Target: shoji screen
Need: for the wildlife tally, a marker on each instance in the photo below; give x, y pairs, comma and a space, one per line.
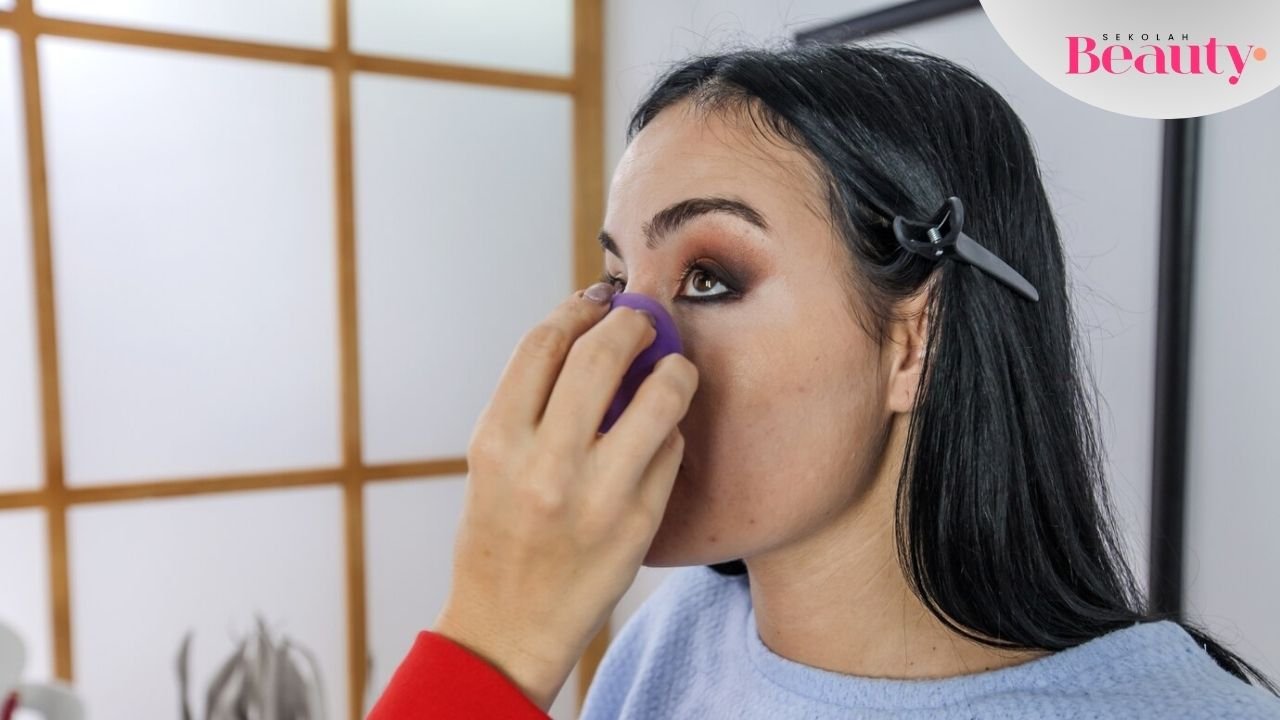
20, 463
24, 593
260, 268
1233, 540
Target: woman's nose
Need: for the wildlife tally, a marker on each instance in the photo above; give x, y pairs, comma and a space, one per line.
651, 285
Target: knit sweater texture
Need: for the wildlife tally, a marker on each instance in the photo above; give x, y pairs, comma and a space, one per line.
692, 651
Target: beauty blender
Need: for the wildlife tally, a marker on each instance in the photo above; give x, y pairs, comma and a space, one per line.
666, 342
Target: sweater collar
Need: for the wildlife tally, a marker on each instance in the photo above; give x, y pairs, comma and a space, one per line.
1098, 662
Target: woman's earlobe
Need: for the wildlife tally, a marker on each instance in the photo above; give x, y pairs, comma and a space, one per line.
900, 397
907, 351
905, 381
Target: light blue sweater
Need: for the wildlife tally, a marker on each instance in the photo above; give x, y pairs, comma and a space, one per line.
692, 651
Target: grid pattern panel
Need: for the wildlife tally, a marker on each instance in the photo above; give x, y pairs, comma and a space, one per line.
20, 410
448, 285
529, 35
196, 330
351, 474
411, 524
146, 573
406, 517
292, 22
24, 595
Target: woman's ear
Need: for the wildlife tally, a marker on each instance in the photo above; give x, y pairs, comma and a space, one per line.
904, 353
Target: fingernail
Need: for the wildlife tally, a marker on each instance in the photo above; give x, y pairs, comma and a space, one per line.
649, 315
600, 292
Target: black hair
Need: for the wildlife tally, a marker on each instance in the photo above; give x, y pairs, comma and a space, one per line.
1003, 522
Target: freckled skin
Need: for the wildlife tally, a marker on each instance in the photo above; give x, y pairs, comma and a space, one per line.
789, 408
794, 437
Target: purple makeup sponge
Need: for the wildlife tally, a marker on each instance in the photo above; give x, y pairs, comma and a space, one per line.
667, 342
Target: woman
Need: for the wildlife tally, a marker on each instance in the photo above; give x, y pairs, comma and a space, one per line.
882, 464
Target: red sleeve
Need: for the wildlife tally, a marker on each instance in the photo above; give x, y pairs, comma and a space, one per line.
442, 680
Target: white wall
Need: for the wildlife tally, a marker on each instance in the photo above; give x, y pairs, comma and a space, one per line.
1233, 544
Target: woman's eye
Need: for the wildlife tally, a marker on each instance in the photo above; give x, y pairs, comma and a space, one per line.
614, 280
701, 281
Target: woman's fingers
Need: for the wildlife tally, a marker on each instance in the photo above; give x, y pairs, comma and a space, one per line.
592, 374
546, 547
659, 477
521, 395
658, 406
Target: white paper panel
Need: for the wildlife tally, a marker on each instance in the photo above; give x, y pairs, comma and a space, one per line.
463, 220
409, 534
20, 437
24, 592
294, 22
527, 35
145, 573
192, 203
1233, 539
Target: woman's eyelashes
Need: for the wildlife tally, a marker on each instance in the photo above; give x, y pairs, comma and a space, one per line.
702, 281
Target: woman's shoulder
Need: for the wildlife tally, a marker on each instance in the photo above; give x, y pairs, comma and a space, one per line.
1149, 670
1203, 687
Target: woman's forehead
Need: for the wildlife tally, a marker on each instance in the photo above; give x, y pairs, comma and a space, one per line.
711, 141
691, 154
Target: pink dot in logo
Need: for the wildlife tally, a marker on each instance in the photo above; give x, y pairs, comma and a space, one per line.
1259, 53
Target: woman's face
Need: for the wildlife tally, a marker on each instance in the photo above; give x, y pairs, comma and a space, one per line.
788, 423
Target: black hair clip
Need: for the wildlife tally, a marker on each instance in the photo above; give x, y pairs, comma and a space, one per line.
931, 240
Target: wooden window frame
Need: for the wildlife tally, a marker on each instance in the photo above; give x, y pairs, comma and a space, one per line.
584, 86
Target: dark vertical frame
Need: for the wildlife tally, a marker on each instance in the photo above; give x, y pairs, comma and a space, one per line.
1178, 214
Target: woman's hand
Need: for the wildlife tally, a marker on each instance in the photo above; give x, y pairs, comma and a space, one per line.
559, 517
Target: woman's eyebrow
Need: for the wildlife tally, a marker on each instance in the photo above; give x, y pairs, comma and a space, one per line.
668, 220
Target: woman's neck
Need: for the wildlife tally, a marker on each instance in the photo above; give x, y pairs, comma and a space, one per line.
837, 599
